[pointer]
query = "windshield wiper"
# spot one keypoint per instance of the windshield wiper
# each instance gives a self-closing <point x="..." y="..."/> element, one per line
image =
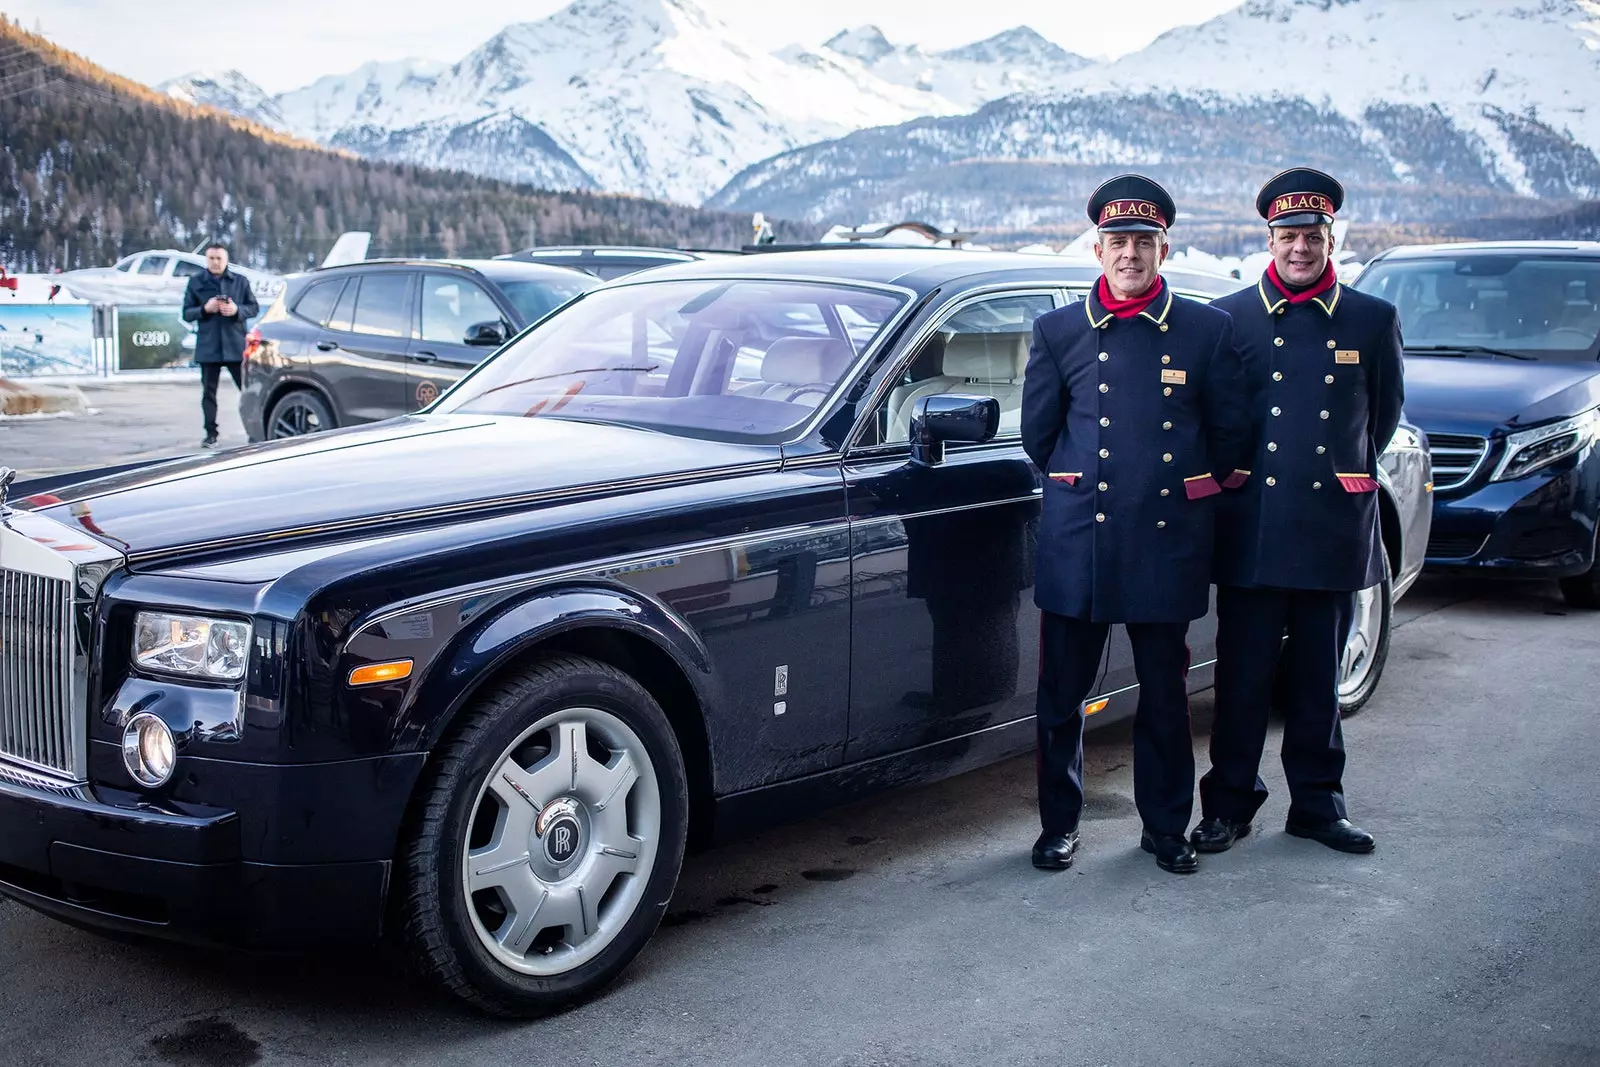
<point x="1469" y="350"/>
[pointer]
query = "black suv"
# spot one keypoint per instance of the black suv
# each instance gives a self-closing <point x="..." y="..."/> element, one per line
<point x="372" y="340"/>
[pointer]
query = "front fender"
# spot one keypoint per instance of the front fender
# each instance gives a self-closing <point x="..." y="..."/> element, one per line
<point x="481" y="652"/>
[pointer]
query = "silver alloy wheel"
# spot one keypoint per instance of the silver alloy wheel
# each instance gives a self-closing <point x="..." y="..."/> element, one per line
<point x="562" y="841"/>
<point x="1361" y="647"/>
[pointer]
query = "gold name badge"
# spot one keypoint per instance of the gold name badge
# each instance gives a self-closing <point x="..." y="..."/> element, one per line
<point x="1174" y="377"/>
<point x="1347" y="355"/>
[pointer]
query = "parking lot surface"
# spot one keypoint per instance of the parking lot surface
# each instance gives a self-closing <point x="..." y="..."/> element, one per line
<point x="911" y="929"/>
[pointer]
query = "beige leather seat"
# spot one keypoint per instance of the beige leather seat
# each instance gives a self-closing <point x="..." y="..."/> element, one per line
<point x="982" y="364"/>
<point x="801" y="369"/>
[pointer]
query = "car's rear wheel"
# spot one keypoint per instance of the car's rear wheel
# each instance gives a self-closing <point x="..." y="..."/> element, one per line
<point x="1583" y="591"/>
<point x="1366" y="649"/>
<point x="297" y="413"/>
<point x="548" y="841"/>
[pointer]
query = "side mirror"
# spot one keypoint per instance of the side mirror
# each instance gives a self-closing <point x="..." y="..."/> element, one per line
<point x="486" y="334"/>
<point x="945" y="417"/>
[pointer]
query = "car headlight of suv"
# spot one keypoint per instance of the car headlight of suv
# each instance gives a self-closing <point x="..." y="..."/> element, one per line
<point x="1528" y="450"/>
<point x="192" y="645"/>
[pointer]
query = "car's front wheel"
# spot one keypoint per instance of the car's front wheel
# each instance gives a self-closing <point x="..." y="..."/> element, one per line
<point x="548" y="840"/>
<point x="1583" y="591"/>
<point x="297" y="413"/>
<point x="1366" y="648"/>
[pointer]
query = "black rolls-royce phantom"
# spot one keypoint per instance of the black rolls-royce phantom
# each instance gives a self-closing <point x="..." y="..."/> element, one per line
<point x="716" y="543"/>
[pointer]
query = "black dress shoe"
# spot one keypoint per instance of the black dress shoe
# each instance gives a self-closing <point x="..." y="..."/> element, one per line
<point x="1340" y="834"/>
<point x="1053" y="852"/>
<point x="1217" y="835"/>
<point x="1172" y="852"/>
<point x="210" y="441"/>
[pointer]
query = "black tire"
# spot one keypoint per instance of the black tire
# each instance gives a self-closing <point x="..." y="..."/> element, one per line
<point x="1583" y="591"/>
<point x="297" y="413"/>
<point x="432" y="908"/>
<point x="1354" y="701"/>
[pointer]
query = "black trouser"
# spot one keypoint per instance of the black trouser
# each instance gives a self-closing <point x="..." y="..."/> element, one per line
<point x="210" y="373"/>
<point x="1251" y="624"/>
<point x="1163" y="748"/>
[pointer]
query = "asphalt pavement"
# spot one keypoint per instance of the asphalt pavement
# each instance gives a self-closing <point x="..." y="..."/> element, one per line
<point x="912" y="930"/>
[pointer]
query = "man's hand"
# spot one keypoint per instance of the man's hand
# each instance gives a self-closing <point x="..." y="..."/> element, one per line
<point x="213" y="305"/>
<point x="229" y="308"/>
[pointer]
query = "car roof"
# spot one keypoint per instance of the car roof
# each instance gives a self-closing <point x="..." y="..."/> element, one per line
<point x="494" y="269"/>
<point x="919" y="269"/>
<point x="1584" y="249"/>
<point x="586" y="252"/>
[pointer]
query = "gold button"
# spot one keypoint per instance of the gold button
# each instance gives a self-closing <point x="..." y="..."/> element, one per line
<point x="1163" y="327"/>
<point x="1272" y="481"/>
<point x="1323" y="414"/>
<point x="1272" y="446"/>
<point x="1329" y="379"/>
<point x="1166" y="425"/>
<point x="1277" y="411"/>
<point x="1104" y="421"/>
<point x="1277" y="375"/>
<point x="1320" y="450"/>
<point x="1104" y="356"/>
<point x="1104" y="487"/>
<point x="1099" y="517"/>
<point x="1104" y="388"/>
<point x="1278" y="341"/>
<point x="1166" y="359"/>
<point x="1316" y="485"/>
<point x="1333" y="344"/>
<point x="1162" y="525"/>
<point x="1105" y="453"/>
<point x="1166" y="492"/>
<point x="1166" y="457"/>
<point x="1167" y="391"/>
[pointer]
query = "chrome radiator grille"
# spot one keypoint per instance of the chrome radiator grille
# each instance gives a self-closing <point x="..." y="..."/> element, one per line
<point x="1455" y="458"/>
<point x="36" y="675"/>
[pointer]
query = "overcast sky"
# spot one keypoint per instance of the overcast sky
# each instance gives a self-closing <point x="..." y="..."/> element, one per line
<point x="285" y="44"/>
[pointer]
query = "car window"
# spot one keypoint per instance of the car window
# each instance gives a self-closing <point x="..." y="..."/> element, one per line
<point x="344" y="312"/>
<point x="713" y="358"/>
<point x="154" y="264"/>
<point x="536" y="299"/>
<point x="317" y="302"/>
<point x="981" y="349"/>
<point x="1545" y="307"/>
<point x="382" y="305"/>
<point x="184" y="269"/>
<point x="450" y="304"/>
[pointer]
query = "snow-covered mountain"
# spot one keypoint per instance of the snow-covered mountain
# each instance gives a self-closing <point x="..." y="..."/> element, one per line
<point x="227" y="90"/>
<point x="657" y="97"/>
<point x="1431" y="109"/>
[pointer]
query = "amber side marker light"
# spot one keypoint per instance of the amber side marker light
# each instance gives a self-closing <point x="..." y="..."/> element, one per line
<point x="1098" y="705"/>
<point x="373" y="673"/>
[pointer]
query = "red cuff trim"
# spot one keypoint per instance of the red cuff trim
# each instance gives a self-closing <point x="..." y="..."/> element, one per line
<point x="1201" y="485"/>
<point x="1358" y="483"/>
<point x="1236" y="479"/>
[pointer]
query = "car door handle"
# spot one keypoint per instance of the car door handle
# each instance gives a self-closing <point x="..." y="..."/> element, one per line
<point x="425" y="357"/>
<point x="327" y="346"/>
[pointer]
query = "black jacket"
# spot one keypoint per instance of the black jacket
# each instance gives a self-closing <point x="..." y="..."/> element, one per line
<point x="1326" y="383"/>
<point x="220" y="338"/>
<point x="1132" y="422"/>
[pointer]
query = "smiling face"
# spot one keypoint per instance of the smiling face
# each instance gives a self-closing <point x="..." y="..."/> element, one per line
<point x="1300" y="252"/>
<point x="1130" y="261"/>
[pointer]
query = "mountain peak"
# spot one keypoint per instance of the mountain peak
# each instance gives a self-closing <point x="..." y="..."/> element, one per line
<point x="1020" y="44"/>
<point x="866" y="43"/>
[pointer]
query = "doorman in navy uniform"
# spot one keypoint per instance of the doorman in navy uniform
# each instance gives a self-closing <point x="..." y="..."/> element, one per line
<point x="1297" y="531"/>
<point x="1132" y="404"/>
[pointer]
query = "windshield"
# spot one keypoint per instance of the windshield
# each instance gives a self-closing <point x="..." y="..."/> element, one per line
<point x="1547" y="308"/>
<point x="535" y="300"/>
<point x="740" y="360"/>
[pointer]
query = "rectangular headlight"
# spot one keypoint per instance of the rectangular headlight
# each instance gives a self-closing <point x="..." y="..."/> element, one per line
<point x="1528" y="450"/>
<point x="214" y="649"/>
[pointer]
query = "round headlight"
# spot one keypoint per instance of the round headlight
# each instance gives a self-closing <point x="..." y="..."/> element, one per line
<point x="149" y="750"/>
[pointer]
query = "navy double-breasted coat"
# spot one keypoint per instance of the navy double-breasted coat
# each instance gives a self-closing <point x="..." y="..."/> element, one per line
<point x="1132" y="421"/>
<point x="1327" y="384"/>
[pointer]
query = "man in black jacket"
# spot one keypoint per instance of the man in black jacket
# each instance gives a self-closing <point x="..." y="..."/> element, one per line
<point x="220" y="301"/>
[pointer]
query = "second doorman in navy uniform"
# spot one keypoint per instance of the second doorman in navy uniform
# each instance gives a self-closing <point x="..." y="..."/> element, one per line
<point x="1297" y="531"/>
<point x="1133" y="404"/>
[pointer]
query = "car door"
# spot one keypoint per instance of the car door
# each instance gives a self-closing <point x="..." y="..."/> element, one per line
<point x="449" y="303"/>
<point x="361" y="354"/>
<point x="944" y="632"/>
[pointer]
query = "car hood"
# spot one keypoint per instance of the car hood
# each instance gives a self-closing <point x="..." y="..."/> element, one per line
<point x="1471" y="395"/>
<point x="401" y="473"/>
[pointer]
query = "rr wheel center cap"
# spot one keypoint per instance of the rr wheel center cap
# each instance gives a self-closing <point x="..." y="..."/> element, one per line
<point x="559" y="831"/>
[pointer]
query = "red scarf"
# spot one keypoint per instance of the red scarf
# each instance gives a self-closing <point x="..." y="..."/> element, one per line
<point x="1127" y="309"/>
<point x="1329" y="279"/>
